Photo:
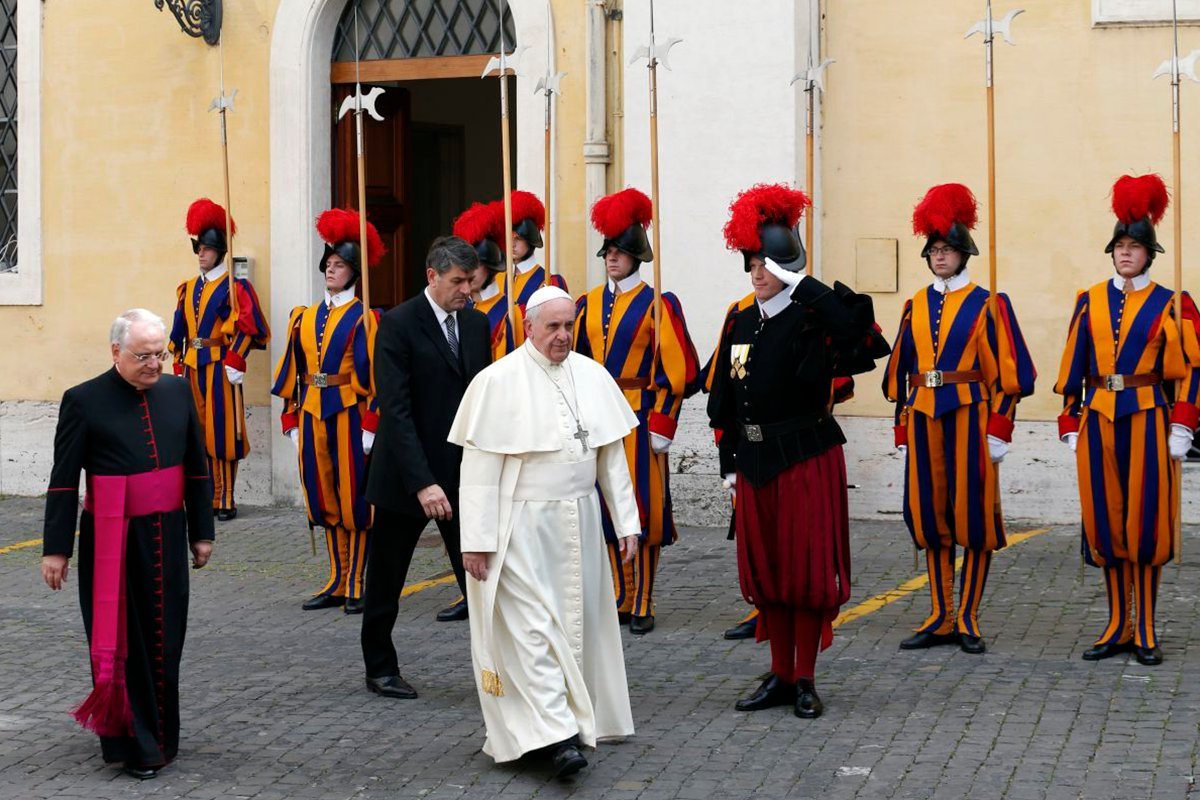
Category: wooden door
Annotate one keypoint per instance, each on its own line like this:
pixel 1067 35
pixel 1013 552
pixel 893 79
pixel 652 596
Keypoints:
pixel 388 182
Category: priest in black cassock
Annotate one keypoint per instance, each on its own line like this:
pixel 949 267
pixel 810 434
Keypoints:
pixel 135 433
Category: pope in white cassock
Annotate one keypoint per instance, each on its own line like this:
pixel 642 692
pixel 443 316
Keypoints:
pixel 539 429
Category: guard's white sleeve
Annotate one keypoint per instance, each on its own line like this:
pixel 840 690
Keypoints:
pixel 612 473
pixel 479 500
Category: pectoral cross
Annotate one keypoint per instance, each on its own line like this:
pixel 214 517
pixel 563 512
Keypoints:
pixel 581 435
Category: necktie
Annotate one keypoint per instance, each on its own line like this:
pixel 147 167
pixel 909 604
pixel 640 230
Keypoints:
pixel 451 336
pixel 1128 287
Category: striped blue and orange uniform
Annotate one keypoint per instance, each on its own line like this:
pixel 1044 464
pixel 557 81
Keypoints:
pixel 1128 485
pixel 951 492
pixel 618 331
pixel 527 282
pixel 505 339
pixel 204 340
pixel 331 420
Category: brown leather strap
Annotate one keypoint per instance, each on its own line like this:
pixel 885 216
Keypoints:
pixel 1118 382
pixel 633 383
pixel 323 379
pixel 198 343
pixel 935 378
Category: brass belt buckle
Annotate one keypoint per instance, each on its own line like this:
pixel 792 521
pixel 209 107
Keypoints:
pixel 320 380
pixel 753 432
pixel 933 379
pixel 1114 383
pixel 197 343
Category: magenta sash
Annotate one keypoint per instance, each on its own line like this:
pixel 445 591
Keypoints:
pixel 113 500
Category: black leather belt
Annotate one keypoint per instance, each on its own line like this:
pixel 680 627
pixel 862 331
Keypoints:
pixel 771 430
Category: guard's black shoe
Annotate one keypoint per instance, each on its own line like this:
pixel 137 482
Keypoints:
pixel 1099 652
pixel 323 601
pixel 746 629
pixel 392 686
pixel 567 759
pixel 226 514
pixel 808 703
pixel 924 639
pixel 354 606
pixel 640 625
pixel 141 773
pixel 1148 656
pixel 773 692
pixel 972 644
pixel 455 612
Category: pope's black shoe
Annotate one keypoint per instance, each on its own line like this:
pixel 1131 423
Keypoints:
pixel 640 625
pixel 141 773
pixel 323 601
pixel 1100 652
pixel 226 514
pixel 392 686
pixel 566 759
pixel 1148 656
pixel 455 612
pixel 773 692
pixel 808 704
pixel 746 629
pixel 354 606
pixel 924 639
pixel 972 644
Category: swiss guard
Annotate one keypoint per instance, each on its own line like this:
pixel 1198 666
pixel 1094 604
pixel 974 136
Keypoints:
pixel 529 220
pixel 482 226
pixel 959 366
pixel 329 411
pixel 614 325
pixel 780 448
pixel 1129 388
pixel 210 343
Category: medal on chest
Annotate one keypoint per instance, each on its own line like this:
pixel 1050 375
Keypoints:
pixel 739 358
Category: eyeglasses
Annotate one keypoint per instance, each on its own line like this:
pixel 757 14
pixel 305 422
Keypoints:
pixel 941 251
pixel 143 358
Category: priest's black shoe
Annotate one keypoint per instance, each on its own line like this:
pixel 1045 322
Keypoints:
pixel 226 514
pixel 808 703
pixel 1100 652
pixel 141 773
pixel 454 613
pixel 924 639
pixel 773 692
pixel 567 759
pixel 623 617
pixel 323 601
pixel 746 629
pixel 972 644
pixel 392 686
pixel 1148 656
pixel 640 625
pixel 355 606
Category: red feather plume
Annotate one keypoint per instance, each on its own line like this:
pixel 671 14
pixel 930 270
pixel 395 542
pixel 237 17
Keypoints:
pixel 478 223
pixel 1135 198
pixel 613 214
pixel 525 205
pixel 943 206
pixel 341 225
pixel 764 203
pixel 203 215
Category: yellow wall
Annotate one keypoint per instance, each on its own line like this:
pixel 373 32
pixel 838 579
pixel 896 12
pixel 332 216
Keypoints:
pixel 570 25
pixel 1075 107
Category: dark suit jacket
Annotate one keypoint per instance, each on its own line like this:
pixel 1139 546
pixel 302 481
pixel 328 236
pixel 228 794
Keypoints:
pixel 419 384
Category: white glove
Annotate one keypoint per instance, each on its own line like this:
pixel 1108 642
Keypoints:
pixel 902 451
pixel 789 278
pixel 659 443
pixel 730 483
pixel 997 448
pixel 294 435
pixel 235 376
pixel 368 442
pixel 1072 440
pixel 1180 441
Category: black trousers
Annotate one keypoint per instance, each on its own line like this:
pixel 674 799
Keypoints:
pixel 394 537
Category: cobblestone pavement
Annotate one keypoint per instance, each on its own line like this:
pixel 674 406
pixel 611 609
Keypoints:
pixel 274 705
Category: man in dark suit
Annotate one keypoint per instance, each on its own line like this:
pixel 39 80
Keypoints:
pixel 426 352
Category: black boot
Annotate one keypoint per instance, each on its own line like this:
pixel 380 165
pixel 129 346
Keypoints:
pixel 772 692
pixel 566 758
pixel 924 639
pixel 323 601
pixel 456 612
pixel 808 703
pixel 746 629
pixel 1099 652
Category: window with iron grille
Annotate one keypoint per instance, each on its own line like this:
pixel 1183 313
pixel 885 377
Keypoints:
pixel 421 28
pixel 8 136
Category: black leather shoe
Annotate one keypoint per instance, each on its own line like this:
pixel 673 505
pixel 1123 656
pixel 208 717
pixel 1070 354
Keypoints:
pixel 747 629
pixel 623 617
pixel 773 692
pixel 972 644
pixel 924 639
pixel 808 704
pixel 641 625
pixel 141 773
pixel 392 686
pixel 454 613
pixel 226 514
pixel 567 760
pixel 323 601
pixel 1148 656
pixel 1100 652
pixel 354 606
